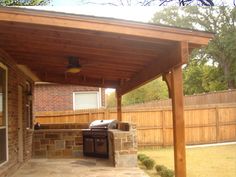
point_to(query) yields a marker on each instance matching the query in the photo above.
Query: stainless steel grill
(95, 139)
(103, 124)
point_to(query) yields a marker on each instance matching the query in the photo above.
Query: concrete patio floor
(75, 168)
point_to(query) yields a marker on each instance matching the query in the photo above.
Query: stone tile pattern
(63, 143)
(15, 78)
(75, 168)
(123, 147)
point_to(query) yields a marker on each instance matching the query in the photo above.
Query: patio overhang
(113, 53)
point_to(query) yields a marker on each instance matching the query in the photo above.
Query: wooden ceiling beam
(75, 80)
(27, 71)
(102, 25)
(96, 72)
(177, 56)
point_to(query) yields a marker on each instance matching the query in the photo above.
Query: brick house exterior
(57, 97)
(15, 77)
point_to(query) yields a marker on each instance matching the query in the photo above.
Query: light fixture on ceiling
(73, 65)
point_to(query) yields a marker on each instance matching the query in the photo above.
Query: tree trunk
(231, 84)
(230, 81)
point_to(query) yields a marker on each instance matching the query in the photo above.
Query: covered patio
(112, 54)
(75, 168)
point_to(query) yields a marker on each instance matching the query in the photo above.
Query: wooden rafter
(77, 80)
(156, 68)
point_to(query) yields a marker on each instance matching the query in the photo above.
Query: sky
(142, 14)
(94, 2)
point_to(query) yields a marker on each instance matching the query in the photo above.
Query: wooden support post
(119, 111)
(167, 78)
(178, 122)
(174, 82)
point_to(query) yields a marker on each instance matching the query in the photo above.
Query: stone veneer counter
(57, 143)
(68, 143)
(123, 148)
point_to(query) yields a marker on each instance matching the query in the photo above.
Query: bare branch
(147, 3)
(164, 1)
(151, 2)
(181, 3)
(121, 2)
(207, 2)
(105, 3)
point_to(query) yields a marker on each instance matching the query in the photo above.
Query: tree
(158, 2)
(200, 77)
(23, 2)
(154, 90)
(111, 100)
(189, 2)
(221, 51)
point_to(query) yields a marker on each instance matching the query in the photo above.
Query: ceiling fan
(73, 65)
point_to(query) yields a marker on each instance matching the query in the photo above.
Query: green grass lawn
(217, 161)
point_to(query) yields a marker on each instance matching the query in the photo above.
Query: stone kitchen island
(53, 142)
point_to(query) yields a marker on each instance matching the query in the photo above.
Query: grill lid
(103, 124)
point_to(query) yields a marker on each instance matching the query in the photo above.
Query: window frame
(87, 92)
(4, 67)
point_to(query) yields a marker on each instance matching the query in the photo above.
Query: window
(3, 114)
(86, 100)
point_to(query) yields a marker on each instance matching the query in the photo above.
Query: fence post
(163, 128)
(106, 114)
(217, 125)
(90, 117)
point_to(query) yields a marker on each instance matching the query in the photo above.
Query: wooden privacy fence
(219, 97)
(204, 124)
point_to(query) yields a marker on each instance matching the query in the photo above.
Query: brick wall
(15, 78)
(56, 97)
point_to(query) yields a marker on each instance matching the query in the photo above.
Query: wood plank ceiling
(108, 59)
